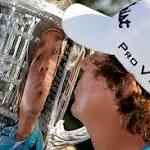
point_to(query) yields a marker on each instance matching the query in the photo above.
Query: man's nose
(43, 67)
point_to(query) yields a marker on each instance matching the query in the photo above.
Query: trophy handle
(59, 138)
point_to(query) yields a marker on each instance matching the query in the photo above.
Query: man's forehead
(98, 57)
(53, 33)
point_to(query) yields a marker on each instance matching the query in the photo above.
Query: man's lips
(78, 84)
(77, 88)
(40, 84)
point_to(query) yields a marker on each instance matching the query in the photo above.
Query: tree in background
(86, 2)
(109, 7)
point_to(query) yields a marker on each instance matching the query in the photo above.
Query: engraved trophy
(18, 18)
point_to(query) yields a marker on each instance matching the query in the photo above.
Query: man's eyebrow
(95, 60)
(40, 44)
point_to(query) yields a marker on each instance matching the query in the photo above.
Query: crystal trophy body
(18, 19)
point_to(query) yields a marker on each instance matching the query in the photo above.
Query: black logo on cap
(123, 16)
(133, 61)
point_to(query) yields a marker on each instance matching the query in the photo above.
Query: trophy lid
(61, 4)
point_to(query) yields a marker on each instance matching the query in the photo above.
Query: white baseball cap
(126, 35)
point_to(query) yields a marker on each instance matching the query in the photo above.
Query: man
(112, 97)
(43, 60)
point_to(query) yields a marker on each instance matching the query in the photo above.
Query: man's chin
(74, 111)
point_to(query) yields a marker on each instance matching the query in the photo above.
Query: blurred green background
(108, 7)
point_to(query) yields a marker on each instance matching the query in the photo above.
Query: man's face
(42, 70)
(92, 93)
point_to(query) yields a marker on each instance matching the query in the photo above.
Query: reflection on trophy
(18, 19)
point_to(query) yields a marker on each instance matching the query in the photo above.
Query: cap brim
(87, 27)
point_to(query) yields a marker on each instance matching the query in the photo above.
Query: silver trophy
(18, 19)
